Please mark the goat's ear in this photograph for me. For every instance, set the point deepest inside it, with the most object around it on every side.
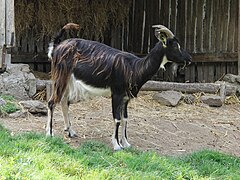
(161, 36)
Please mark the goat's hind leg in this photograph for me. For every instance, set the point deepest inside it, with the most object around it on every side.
(49, 127)
(65, 107)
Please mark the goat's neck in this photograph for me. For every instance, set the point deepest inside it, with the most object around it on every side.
(149, 65)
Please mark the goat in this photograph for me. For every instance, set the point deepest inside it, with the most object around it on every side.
(82, 68)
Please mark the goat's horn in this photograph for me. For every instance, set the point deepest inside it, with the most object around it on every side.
(167, 31)
(158, 26)
(162, 28)
(71, 26)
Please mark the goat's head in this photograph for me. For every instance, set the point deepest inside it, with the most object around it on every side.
(173, 51)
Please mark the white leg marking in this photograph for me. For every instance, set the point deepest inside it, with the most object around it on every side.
(124, 135)
(115, 144)
(67, 124)
(179, 47)
(48, 133)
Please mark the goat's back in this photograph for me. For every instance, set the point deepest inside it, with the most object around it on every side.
(92, 62)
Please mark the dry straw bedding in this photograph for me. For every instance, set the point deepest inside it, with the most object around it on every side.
(47, 17)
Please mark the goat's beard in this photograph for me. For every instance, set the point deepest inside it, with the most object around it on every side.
(174, 69)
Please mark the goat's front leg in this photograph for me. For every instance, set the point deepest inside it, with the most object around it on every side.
(117, 112)
(65, 106)
(124, 140)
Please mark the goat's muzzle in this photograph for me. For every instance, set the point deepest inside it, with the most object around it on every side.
(187, 58)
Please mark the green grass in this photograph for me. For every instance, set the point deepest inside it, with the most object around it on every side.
(10, 106)
(33, 156)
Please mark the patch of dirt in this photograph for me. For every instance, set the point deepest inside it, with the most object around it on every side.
(152, 126)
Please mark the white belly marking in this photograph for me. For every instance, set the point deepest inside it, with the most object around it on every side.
(78, 90)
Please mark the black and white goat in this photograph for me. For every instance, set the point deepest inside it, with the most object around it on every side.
(83, 68)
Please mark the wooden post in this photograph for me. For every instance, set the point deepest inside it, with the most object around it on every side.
(7, 30)
(10, 29)
(2, 30)
(10, 25)
(239, 37)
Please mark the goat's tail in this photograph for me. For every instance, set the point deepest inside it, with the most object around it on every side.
(56, 40)
(62, 62)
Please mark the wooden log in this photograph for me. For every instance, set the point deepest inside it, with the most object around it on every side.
(187, 87)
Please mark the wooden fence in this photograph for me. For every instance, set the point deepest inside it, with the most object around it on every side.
(207, 29)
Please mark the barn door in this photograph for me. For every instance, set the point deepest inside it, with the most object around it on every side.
(7, 32)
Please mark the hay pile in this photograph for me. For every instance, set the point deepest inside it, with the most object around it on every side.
(46, 17)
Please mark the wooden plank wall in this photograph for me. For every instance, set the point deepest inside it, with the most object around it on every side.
(207, 29)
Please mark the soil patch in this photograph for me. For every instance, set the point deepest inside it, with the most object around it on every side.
(152, 126)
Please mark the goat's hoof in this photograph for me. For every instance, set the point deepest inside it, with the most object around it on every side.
(48, 134)
(127, 145)
(117, 148)
(71, 133)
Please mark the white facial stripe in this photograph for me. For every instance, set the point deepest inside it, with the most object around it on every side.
(179, 47)
(50, 50)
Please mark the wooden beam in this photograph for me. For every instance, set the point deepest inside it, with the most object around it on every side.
(239, 37)
(30, 58)
(210, 57)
